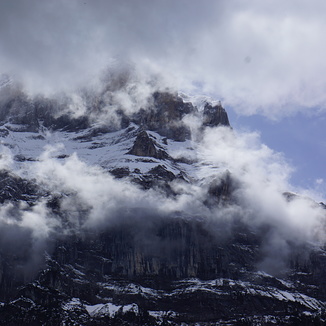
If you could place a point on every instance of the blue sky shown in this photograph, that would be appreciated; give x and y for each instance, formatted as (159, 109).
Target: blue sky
(301, 138)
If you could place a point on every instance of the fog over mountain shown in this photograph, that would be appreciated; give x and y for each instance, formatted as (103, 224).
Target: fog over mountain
(258, 58)
(124, 157)
(115, 169)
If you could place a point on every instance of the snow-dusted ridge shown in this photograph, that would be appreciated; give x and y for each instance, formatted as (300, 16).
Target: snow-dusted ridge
(199, 101)
(109, 150)
(148, 220)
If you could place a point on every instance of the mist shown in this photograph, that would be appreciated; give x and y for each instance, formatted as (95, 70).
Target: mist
(265, 58)
(260, 197)
(90, 199)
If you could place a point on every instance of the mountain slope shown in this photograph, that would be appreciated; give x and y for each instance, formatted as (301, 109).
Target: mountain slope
(125, 221)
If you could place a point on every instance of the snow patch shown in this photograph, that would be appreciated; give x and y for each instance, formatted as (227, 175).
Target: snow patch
(72, 304)
(110, 309)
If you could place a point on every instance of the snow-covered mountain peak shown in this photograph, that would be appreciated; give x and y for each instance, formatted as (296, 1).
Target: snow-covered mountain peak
(160, 215)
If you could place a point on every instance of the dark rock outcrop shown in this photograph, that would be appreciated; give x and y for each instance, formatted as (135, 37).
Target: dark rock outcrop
(200, 270)
(165, 116)
(161, 173)
(220, 190)
(14, 188)
(214, 116)
(144, 145)
(120, 172)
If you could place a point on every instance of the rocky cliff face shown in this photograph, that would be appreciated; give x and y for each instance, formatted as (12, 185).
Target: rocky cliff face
(183, 273)
(166, 116)
(144, 145)
(215, 116)
(147, 265)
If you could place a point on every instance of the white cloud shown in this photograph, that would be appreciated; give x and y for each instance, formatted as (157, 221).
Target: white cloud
(265, 57)
(6, 160)
(39, 221)
(319, 181)
(92, 198)
(263, 176)
(91, 191)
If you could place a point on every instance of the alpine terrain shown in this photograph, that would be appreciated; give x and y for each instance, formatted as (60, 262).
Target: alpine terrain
(119, 214)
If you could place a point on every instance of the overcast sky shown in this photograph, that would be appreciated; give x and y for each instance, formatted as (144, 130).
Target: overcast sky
(263, 59)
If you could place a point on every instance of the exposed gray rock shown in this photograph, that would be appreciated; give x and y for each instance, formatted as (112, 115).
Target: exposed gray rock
(221, 189)
(4, 132)
(14, 188)
(197, 269)
(161, 172)
(214, 116)
(120, 172)
(165, 116)
(144, 145)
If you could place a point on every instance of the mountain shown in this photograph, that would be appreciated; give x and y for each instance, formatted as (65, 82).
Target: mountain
(111, 217)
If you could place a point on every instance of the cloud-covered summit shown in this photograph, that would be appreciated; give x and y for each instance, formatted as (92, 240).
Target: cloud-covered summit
(264, 57)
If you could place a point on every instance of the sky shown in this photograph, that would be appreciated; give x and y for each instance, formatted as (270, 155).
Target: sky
(301, 139)
(264, 59)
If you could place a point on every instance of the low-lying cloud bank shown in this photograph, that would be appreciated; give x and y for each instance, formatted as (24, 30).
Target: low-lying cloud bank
(92, 199)
(259, 57)
(263, 177)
